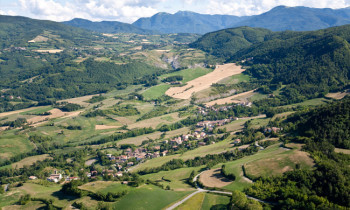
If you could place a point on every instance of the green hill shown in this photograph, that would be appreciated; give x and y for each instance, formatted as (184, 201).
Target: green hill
(328, 185)
(107, 26)
(17, 31)
(225, 43)
(309, 63)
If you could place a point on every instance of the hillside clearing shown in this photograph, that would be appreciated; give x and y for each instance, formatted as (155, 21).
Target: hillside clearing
(338, 95)
(104, 127)
(204, 82)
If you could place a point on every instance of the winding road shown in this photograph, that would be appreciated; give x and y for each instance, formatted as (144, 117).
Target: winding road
(199, 190)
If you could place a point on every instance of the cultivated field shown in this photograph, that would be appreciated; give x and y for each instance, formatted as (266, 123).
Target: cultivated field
(204, 82)
(239, 98)
(214, 178)
(30, 160)
(338, 95)
(48, 51)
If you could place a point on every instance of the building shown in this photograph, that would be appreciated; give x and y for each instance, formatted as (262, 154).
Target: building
(32, 177)
(54, 178)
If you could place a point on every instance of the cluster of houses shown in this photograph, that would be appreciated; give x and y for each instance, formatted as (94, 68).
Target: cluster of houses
(11, 97)
(211, 124)
(272, 129)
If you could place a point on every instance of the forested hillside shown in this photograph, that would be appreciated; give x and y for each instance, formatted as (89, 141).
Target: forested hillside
(327, 186)
(227, 42)
(68, 79)
(17, 31)
(310, 63)
(186, 22)
(328, 123)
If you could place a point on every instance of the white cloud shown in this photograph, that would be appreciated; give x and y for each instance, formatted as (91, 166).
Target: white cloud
(10, 12)
(121, 10)
(253, 7)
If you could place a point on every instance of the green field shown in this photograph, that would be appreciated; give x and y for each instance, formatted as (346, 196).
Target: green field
(188, 74)
(37, 111)
(177, 178)
(235, 79)
(213, 201)
(149, 197)
(200, 151)
(205, 201)
(12, 144)
(235, 167)
(155, 91)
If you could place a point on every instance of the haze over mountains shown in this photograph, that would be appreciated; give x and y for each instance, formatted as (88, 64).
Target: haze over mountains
(278, 19)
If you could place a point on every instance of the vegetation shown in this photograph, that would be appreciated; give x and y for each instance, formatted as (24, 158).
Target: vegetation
(328, 185)
(298, 60)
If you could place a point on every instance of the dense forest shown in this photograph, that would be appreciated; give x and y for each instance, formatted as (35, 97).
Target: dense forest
(227, 42)
(64, 78)
(328, 185)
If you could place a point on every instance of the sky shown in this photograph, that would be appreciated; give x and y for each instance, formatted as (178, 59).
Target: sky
(130, 10)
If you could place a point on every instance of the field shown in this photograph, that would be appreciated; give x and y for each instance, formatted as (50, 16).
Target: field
(338, 95)
(345, 151)
(177, 178)
(204, 82)
(205, 201)
(155, 91)
(214, 178)
(235, 79)
(217, 148)
(286, 159)
(12, 144)
(29, 161)
(239, 98)
(188, 74)
(149, 197)
(279, 163)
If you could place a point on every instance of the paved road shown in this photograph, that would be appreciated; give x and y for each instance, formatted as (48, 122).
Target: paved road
(199, 190)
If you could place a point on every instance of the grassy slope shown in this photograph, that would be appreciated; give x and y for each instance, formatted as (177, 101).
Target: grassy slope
(148, 197)
(13, 144)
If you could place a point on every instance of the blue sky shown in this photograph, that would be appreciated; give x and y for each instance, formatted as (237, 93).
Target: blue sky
(131, 10)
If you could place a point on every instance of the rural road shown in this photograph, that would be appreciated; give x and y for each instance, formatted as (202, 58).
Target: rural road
(199, 190)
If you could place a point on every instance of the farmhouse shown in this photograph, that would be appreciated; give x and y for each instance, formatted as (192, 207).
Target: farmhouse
(54, 178)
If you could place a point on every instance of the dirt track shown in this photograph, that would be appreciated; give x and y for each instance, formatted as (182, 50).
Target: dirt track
(204, 82)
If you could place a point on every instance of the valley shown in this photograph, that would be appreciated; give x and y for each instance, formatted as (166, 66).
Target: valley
(109, 120)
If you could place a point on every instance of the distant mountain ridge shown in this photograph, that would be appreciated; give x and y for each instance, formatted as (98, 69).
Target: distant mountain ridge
(107, 26)
(187, 22)
(280, 18)
(283, 18)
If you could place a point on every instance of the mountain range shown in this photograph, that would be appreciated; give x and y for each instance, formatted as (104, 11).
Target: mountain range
(280, 18)
(107, 26)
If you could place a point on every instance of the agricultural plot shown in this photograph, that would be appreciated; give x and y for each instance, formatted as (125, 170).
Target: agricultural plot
(279, 163)
(217, 148)
(239, 98)
(149, 197)
(281, 160)
(176, 179)
(30, 160)
(155, 91)
(214, 178)
(205, 201)
(12, 144)
(204, 82)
